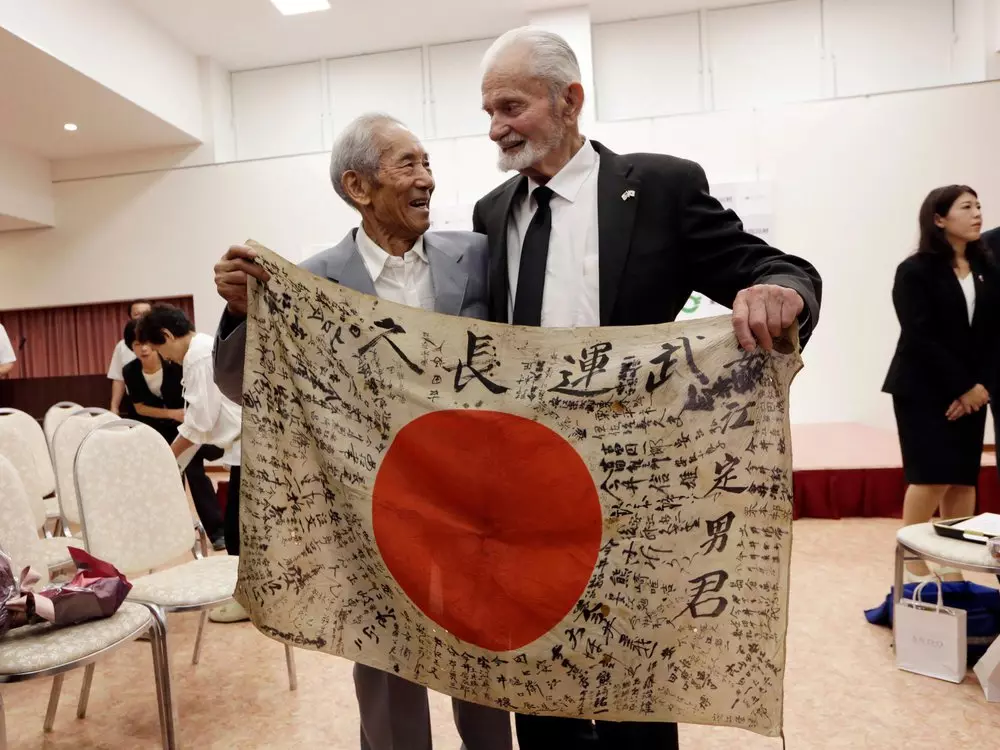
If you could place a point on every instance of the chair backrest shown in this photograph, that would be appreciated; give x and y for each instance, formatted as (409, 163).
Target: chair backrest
(55, 416)
(35, 437)
(64, 447)
(134, 509)
(18, 534)
(15, 449)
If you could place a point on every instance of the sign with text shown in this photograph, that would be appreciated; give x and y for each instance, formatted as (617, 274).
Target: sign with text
(587, 523)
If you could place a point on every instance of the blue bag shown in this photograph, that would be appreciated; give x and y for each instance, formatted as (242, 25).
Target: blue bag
(982, 604)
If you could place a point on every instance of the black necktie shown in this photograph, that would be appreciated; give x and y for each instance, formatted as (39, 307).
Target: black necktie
(534, 253)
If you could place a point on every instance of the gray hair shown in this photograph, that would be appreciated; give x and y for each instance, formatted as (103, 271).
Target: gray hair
(357, 150)
(549, 55)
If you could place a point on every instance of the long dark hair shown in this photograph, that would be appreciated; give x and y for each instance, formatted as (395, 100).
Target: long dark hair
(932, 237)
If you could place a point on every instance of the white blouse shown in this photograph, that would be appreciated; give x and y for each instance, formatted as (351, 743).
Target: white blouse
(969, 290)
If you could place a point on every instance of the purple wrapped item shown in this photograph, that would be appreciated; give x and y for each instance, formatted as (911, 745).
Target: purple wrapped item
(9, 589)
(97, 590)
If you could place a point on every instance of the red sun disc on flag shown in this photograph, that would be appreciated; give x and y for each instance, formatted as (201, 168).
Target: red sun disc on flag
(489, 522)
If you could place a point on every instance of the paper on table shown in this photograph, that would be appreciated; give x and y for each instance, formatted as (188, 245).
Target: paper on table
(984, 523)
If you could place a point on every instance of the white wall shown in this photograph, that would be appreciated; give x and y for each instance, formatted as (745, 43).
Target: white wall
(724, 59)
(848, 177)
(25, 190)
(111, 42)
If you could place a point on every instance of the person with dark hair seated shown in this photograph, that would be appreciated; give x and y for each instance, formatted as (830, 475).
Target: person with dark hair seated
(121, 356)
(209, 417)
(155, 388)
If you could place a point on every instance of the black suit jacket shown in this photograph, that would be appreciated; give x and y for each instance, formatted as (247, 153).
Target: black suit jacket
(172, 398)
(992, 241)
(670, 238)
(940, 355)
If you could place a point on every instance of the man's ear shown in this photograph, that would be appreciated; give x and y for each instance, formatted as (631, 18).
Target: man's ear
(357, 188)
(167, 335)
(574, 97)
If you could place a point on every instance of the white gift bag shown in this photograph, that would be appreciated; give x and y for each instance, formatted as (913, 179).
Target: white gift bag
(987, 669)
(931, 639)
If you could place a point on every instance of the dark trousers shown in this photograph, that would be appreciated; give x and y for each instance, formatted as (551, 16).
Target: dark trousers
(233, 512)
(552, 733)
(203, 491)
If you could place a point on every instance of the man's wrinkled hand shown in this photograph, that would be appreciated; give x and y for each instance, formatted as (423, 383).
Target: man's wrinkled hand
(231, 275)
(762, 312)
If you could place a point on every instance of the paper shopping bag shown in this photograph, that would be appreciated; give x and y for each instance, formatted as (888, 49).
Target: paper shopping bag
(931, 638)
(987, 669)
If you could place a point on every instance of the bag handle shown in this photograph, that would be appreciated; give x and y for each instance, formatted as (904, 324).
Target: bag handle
(919, 590)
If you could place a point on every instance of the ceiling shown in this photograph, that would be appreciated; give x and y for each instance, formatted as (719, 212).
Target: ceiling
(46, 93)
(246, 34)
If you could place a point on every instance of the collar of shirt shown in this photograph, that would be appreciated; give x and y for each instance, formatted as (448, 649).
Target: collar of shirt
(375, 258)
(568, 181)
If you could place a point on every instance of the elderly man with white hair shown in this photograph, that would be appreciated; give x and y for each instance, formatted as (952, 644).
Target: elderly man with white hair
(587, 237)
(381, 169)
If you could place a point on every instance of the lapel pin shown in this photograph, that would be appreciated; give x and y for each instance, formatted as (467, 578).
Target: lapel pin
(628, 194)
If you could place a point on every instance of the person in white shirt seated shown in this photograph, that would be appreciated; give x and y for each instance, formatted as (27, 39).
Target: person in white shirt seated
(121, 356)
(7, 357)
(209, 417)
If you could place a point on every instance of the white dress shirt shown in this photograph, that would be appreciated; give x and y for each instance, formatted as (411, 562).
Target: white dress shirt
(969, 290)
(571, 296)
(209, 417)
(6, 350)
(405, 280)
(119, 358)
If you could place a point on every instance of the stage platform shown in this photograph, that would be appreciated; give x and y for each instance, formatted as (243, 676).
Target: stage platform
(843, 470)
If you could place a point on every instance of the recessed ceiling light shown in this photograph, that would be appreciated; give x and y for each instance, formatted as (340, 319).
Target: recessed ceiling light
(295, 7)
(70, 126)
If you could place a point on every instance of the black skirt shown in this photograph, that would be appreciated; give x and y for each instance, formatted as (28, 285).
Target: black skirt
(936, 451)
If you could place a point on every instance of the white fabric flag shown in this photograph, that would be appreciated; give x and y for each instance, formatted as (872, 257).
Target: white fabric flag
(588, 522)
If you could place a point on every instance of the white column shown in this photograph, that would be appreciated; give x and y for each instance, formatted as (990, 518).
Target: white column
(573, 24)
(217, 110)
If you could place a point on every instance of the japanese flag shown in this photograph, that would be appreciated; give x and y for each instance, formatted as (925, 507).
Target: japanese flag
(587, 523)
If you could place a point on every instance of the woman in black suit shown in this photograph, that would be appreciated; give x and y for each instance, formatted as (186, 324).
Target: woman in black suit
(947, 299)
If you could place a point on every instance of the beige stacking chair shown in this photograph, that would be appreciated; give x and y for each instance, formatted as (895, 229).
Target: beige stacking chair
(18, 454)
(139, 526)
(38, 651)
(65, 443)
(16, 503)
(31, 432)
(55, 416)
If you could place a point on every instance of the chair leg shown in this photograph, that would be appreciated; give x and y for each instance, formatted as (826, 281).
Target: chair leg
(201, 632)
(50, 714)
(88, 679)
(154, 647)
(293, 678)
(3, 725)
(161, 669)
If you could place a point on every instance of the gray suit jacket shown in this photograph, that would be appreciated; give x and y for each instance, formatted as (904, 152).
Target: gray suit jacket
(458, 263)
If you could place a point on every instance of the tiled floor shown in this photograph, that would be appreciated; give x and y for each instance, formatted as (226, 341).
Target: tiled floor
(842, 689)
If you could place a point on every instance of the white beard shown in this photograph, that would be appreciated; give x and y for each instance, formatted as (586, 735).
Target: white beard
(530, 153)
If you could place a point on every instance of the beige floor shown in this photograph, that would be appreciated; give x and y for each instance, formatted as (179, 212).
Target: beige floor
(841, 687)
